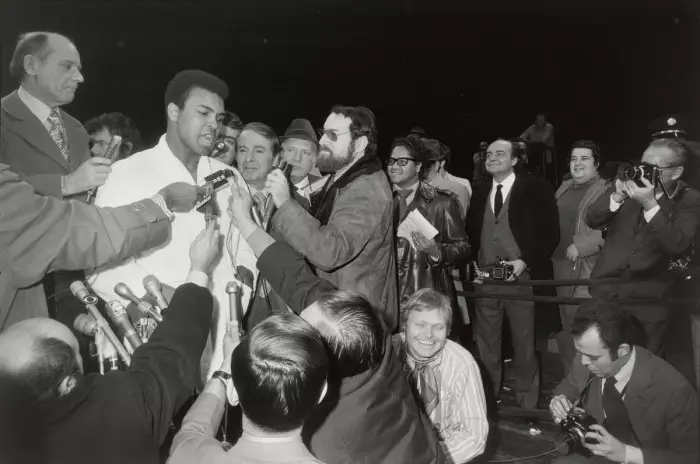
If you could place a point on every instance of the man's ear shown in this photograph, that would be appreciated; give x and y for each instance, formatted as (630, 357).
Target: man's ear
(67, 385)
(623, 350)
(515, 160)
(361, 144)
(677, 173)
(323, 392)
(30, 64)
(173, 112)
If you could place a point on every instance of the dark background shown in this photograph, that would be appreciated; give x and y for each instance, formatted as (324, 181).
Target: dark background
(464, 70)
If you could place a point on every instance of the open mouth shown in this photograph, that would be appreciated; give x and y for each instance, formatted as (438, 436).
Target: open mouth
(425, 342)
(208, 139)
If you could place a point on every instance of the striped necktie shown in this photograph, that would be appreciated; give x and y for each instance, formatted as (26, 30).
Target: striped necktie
(58, 133)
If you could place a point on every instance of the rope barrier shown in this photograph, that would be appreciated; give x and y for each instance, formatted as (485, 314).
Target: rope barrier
(575, 301)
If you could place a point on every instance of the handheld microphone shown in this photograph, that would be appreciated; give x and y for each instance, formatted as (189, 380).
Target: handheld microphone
(111, 154)
(154, 288)
(81, 292)
(213, 183)
(286, 169)
(85, 324)
(219, 148)
(116, 312)
(233, 289)
(124, 291)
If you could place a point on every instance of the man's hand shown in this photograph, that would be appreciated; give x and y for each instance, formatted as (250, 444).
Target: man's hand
(620, 193)
(425, 244)
(572, 252)
(205, 249)
(608, 446)
(92, 173)
(519, 267)
(277, 186)
(180, 197)
(645, 196)
(559, 407)
(239, 207)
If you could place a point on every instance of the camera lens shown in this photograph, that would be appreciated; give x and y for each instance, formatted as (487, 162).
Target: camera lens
(633, 173)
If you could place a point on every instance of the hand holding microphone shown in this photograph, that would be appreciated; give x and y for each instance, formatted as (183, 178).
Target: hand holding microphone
(205, 249)
(277, 186)
(111, 155)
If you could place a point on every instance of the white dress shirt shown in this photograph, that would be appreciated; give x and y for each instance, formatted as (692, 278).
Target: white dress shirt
(505, 190)
(142, 175)
(305, 187)
(38, 108)
(648, 215)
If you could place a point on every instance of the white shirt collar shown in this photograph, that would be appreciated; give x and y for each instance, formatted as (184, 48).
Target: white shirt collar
(40, 109)
(413, 187)
(303, 184)
(625, 373)
(507, 182)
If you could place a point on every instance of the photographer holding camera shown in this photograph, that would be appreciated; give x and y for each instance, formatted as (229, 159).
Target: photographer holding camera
(651, 218)
(647, 411)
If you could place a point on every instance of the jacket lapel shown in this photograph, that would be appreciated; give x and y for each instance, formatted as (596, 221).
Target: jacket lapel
(637, 399)
(25, 124)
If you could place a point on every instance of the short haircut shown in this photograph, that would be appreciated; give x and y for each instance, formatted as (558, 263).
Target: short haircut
(679, 147)
(279, 372)
(590, 145)
(53, 361)
(181, 86)
(229, 119)
(363, 124)
(30, 43)
(427, 299)
(614, 325)
(117, 124)
(353, 331)
(516, 150)
(267, 132)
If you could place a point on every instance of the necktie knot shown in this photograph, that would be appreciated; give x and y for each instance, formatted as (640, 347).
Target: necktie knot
(499, 187)
(404, 193)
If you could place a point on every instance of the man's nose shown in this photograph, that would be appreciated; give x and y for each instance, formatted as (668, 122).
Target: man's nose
(78, 76)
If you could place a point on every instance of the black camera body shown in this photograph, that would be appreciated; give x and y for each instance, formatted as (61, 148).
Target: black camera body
(573, 433)
(648, 171)
(500, 271)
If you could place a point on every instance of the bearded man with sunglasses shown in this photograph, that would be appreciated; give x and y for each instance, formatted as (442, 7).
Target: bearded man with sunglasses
(348, 235)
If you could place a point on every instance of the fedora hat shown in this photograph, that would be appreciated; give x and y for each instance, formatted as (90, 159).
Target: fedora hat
(300, 129)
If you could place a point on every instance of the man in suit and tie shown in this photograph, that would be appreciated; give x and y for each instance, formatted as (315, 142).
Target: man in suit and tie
(646, 412)
(514, 218)
(44, 144)
(647, 227)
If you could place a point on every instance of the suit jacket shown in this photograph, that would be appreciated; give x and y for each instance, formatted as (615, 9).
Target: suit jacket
(41, 234)
(661, 404)
(27, 147)
(533, 218)
(416, 269)
(374, 416)
(637, 249)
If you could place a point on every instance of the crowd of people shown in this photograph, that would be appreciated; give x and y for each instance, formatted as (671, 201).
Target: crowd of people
(317, 285)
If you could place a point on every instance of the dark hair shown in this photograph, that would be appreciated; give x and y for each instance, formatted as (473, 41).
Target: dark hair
(353, 331)
(121, 125)
(415, 149)
(446, 153)
(53, 361)
(614, 325)
(279, 372)
(427, 299)
(30, 43)
(363, 124)
(229, 119)
(181, 86)
(590, 145)
(419, 131)
(267, 132)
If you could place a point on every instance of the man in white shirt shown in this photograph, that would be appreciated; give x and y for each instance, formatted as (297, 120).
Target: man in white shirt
(193, 101)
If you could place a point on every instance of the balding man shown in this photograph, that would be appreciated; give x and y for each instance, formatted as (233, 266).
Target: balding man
(123, 416)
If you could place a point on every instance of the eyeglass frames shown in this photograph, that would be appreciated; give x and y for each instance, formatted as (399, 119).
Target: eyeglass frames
(400, 161)
(331, 134)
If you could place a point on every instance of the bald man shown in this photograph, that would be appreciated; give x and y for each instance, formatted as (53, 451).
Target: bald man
(123, 416)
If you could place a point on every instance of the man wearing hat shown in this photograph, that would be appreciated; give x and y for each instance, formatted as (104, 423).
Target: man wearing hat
(668, 127)
(300, 149)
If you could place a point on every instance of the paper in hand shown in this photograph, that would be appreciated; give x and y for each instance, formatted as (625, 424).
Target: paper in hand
(415, 222)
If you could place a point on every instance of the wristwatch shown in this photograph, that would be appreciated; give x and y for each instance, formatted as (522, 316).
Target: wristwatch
(223, 376)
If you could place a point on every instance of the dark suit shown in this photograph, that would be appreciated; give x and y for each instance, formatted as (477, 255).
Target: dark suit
(29, 150)
(661, 404)
(635, 249)
(532, 214)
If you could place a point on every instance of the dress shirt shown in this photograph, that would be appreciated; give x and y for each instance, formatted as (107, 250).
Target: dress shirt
(38, 108)
(409, 198)
(462, 408)
(460, 180)
(505, 191)
(633, 455)
(141, 175)
(305, 187)
(648, 215)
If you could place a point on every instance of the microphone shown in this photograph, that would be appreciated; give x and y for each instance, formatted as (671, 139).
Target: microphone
(124, 291)
(81, 292)
(116, 312)
(111, 154)
(154, 288)
(233, 289)
(85, 324)
(219, 148)
(286, 169)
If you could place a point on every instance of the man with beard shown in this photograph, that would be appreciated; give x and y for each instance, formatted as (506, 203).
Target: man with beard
(194, 99)
(348, 235)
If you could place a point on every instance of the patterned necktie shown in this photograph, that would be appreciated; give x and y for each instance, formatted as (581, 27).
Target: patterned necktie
(498, 202)
(58, 133)
(427, 383)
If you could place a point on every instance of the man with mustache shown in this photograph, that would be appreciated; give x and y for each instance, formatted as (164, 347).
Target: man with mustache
(194, 100)
(348, 235)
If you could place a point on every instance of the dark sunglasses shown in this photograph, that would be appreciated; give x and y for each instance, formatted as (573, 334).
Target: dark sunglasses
(331, 134)
(400, 161)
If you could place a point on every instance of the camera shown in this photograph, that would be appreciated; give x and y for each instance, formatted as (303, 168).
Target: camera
(499, 271)
(650, 172)
(573, 433)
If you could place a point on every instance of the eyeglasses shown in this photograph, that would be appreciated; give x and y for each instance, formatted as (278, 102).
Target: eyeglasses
(400, 161)
(331, 134)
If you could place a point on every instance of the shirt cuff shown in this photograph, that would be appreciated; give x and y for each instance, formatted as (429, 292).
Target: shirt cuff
(633, 455)
(160, 201)
(198, 278)
(649, 215)
(614, 206)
